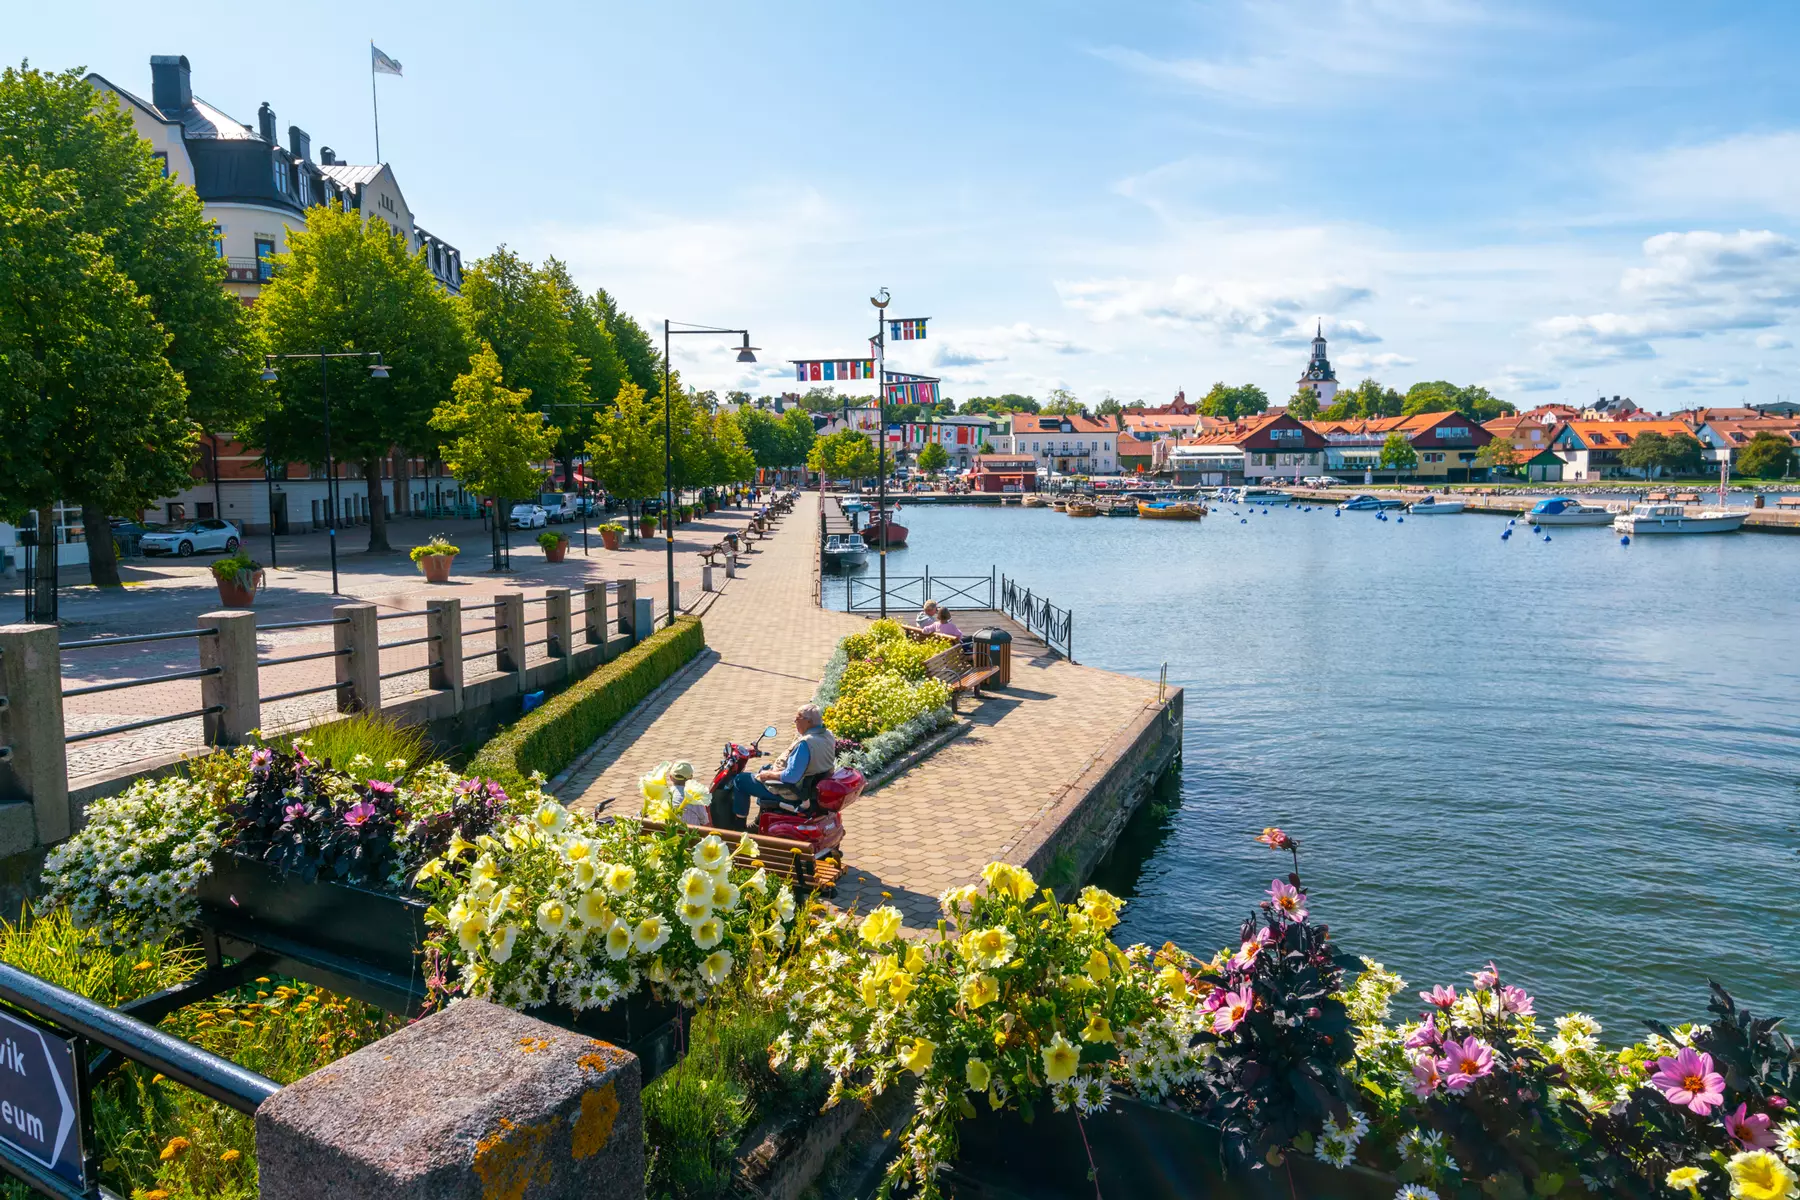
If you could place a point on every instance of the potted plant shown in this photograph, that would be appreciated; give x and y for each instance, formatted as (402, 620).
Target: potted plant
(610, 534)
(646, 526)
(238, 577)
(435, 558)
(555, 545)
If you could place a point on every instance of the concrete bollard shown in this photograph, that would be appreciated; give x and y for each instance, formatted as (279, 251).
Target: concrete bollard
(645, 624)
(445, 624)
(509, 631)
(731, 564)
(595, 616)
(628, 610)
(471, 1103)
(706, 578)
(234, 689)
(358, 672)
(31, 727)
(558, 623)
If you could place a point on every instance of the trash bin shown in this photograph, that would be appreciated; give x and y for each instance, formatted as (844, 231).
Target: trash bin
(1758, 502)
(993, 648)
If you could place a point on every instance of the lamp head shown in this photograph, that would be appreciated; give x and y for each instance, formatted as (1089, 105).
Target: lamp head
(744, 351)
(268, 373)
(378, 370)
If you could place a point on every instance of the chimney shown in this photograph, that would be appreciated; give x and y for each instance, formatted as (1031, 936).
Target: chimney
(300, 143)
(265, 124)
(327, 156)
(169, 88)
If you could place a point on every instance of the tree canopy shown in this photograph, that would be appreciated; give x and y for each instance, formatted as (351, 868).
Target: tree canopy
(1230, 403)
(1367, 399)
(625, 450)
(1305, 405)
(1010, 402)
(1498, 453)
(1472, 401)
(845, 454)
(1766, 456)
(492, 440)
(1397, 454)
(933, 458)
(1062, 403)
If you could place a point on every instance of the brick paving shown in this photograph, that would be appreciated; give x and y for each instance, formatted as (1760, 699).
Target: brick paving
(933, 826)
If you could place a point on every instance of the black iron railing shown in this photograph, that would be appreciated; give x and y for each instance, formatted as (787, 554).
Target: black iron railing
(910, 592)
(1055, 625)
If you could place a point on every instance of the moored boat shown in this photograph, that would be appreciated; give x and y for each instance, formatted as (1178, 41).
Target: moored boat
(1562, 510)
(1083, 508)
(1366, 502)
(1060, 505)
(1122, 508)
(1032, 500)
(1434, 505)
(1170, 510)
(846, 549)
(1264, 495)
(1675, 518)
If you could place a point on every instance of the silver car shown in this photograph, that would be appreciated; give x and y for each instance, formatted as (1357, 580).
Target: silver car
(187, 537)
(529, 516)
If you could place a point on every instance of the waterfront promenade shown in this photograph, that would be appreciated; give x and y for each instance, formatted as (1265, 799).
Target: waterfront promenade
(997, 790)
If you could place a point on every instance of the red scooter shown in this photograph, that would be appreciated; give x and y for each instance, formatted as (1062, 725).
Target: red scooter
(814, 820)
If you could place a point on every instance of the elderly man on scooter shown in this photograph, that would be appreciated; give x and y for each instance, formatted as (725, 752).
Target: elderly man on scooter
(794, 776)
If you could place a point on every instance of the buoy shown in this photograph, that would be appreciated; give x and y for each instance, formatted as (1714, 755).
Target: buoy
(1546, 538)
(1399, 520)
(1513, 522)
(1505, 533)
(1243, 520)
(1624, 541)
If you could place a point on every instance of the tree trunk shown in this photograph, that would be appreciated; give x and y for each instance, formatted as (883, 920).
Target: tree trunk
(103, 559)
(378, 540)
(568, 468)
(43, 584)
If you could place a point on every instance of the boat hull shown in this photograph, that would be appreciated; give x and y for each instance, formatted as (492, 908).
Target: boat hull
(1173, 512)
(1571, 518)
(1701, 523)
(1432, 510)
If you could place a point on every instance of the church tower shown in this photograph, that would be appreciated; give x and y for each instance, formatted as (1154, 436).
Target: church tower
(1319, 375)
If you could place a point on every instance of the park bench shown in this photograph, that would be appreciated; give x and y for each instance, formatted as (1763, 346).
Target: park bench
(1687, 497)
(784, 858)
(1656, 495)
(709, 556)
(1788, 502)
(954, 668)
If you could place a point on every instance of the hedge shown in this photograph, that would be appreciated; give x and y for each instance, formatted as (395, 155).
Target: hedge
(549, 738)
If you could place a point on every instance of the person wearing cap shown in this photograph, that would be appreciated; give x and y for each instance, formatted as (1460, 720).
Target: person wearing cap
(928, 616)
(791, 780)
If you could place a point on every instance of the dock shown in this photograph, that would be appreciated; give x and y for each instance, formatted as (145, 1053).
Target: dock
(1760, 520)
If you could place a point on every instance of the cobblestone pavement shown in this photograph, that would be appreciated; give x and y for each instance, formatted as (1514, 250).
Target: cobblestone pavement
(935, 825)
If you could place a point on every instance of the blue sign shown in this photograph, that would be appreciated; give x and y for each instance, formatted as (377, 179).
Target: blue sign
(39, 1098)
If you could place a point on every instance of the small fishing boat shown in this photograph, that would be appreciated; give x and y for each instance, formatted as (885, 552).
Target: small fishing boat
(1433, 505)
(1122, 508)
(1060, 505)
(1675, 518)
(1032, 500)
(1083, 508)
(1170, 510)
(846, 550)
(896, 532)
(1561, 510)
(1365, 502)
(1264, 495)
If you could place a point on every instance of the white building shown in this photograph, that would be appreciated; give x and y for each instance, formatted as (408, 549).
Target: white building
(1318, 377)
(1066, 445)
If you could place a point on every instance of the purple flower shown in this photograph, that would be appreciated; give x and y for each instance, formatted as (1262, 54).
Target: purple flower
(1689, 1081)
(381, 788)
(1467, 1061)
(469, 785)
(1440, 995)
(1752, 1133)
(1515, 1000)
(260, 759)
(1487, 977)
(496, 792)
(1426, 1037)
(1428, 1074)
(359, 813)
(1287, 900)
(293, 813)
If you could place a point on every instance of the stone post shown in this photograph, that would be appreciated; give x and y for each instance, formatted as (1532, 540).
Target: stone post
(445, 624)
(31, 727)
(706, 579)
(559, 624)
(474, 1102)
(645, 625)
(628, 609)
(731, 564)
(509, 632)
(234, 689)
(595, 617)
(358, 672)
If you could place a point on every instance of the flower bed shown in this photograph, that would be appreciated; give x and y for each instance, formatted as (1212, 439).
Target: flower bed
(875, 693)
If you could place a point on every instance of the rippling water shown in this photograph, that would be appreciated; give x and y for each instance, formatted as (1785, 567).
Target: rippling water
(1576, 758)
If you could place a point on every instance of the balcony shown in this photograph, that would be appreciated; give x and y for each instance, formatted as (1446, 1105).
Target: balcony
(244, 269)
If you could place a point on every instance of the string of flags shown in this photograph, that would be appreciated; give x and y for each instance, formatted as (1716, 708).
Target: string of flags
(911, 329)
(912, 389)
(814, 370)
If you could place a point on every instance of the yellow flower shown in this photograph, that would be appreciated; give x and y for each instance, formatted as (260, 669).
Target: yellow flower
(717, 966)
(458, 847)
(485, 868)
(553, 917)
(618, 940)
(709, 933)
(655, 788)
(989, 947)
(697, 885)
(550, 817)
(468, 934)
(1060, 1059)
(230, 1156)
(917, 1058)
(1004, 879)
(502, 946)
(1099, 1029)
(430, 870)
(1173, 981)
(620, 878)
(977, 1075)
(978, 990)
(881, 926)
(712, 855)
(1759, 1175)
(174, 1148)
(1103, 915)
(1098, 968)
(595, 913)
(900, 987)
(1685, 1178)
(692, 912)
(725, 895)
(915, 959)
(871, 991)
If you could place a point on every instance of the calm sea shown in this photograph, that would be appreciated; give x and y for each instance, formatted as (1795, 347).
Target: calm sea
(1577, 758)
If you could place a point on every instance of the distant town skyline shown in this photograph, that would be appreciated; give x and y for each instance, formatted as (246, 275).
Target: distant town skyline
(1556, 205)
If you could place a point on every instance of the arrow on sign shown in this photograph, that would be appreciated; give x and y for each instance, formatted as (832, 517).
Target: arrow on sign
(37, 1093)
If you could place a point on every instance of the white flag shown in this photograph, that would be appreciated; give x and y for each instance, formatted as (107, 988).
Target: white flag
(380, 63)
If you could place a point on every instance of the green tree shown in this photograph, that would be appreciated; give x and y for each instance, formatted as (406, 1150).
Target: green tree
(766, 436)
(1230, 403)
(1108, 407)
(1498, 455)
(798, 435)
(643, 361)
(1649, 452)
(1474, 401)
(492, 440)
(1397, 454)
(1684, 455)
(1010, 402)
(730, 457)
(594, 343)
(1305, 405)
(344, 285)
(1366, 400)
(101, 180)
(625, 451)
(933, 458)
(1766, 456)
(845, 455)
(1062, 403)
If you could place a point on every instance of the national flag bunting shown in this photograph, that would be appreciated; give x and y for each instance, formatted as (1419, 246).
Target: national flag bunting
(909, 329)
(821, 369)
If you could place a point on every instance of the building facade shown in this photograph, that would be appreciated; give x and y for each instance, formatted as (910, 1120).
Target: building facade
(1266, 449)
(1063, 445)
(1319, 378)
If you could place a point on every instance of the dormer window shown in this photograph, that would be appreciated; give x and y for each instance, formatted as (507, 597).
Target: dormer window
(305, 190)
(281, 181)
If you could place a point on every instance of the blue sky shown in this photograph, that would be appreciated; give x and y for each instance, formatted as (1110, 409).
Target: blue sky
(1556, 200)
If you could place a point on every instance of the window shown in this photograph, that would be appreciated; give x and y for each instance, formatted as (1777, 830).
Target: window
(218, 240)
(162, 161)
(387, 202)
(305, 190)
(265, 247)
(204, 509)
(281, 175)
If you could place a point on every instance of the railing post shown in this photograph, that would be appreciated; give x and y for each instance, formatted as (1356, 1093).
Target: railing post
(444, 622)
(509, 631)
(628, 609)
(595, 617)
(234, 689)
(927, 594)
(36, 766)
(559, 624)
(358, 672)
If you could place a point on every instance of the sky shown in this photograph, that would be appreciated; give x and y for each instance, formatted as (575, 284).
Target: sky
(1556, 200)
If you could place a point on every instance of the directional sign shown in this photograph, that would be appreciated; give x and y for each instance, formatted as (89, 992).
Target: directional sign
(39, 1097)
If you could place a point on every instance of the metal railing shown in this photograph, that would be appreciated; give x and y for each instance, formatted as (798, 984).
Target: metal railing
(1055, 625)
(957, 591)
(117, 685)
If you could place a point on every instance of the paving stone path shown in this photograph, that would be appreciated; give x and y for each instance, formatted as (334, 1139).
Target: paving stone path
(974, 800)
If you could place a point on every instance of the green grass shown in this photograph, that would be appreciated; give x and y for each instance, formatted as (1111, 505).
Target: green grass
(381, 738)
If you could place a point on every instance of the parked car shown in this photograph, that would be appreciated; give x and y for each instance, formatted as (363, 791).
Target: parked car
(1323, 481)
(127, 536)
(558, 507)
(189, 536)
(529, 516)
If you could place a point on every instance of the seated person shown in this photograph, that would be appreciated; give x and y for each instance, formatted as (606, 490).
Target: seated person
(794, 776)
(928, 616)
(945, 627)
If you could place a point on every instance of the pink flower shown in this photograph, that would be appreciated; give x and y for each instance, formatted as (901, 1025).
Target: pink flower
(359, 813)
(1426, 1036)
(294, 812)
(1274, 839)
(1287, 900)
(1233, 1008)
(1515, 1000)
(1752, 1133)
(1213, 999)
(1688, 1080)
(261, 758)
(1245, 958)
(1466, 1061)
(1427, 1075)
(1440, 995)
(1487, 977)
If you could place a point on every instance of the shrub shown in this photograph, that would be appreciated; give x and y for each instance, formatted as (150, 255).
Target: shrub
(439, 544)
(239, 568)
(613, 528)
(885, 701)
(549, 738)
(381, 740)
(549, 540)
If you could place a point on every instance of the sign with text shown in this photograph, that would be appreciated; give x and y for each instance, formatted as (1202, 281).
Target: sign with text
(39, 1114)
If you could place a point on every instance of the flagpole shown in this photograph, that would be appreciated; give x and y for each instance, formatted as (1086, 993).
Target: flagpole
(375, 101)
(881, 434)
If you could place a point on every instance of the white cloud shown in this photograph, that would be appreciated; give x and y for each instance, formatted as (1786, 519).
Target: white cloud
(1356, 361)
(1227, 307)
(1702, 377)
(1773, 341)
(1744, 173)
(1523, 379)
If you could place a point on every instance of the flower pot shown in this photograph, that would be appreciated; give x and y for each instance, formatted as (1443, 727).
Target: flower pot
(647, 526)
(437, 567)
(238, 591)
(712, 506)
(555, 553)
(609, 539)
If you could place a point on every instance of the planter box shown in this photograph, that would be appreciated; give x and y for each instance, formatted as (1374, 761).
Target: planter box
(235, 595)
(609, 539)
(437, 567)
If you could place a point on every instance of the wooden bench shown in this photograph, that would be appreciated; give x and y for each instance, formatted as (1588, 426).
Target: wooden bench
(708, 556)
(1788, 502)
(1656, 495)
(784, 858)
(1687, 497)
(954, 668)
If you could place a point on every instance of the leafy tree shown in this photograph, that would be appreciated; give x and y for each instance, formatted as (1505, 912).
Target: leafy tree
(1766, 456)
(765, 435)
(1649, 452)
(1367, 399)
(593, 342)
(1305, 405)
(1684, 454)
(643, 361)
(845, 455)
(1062, 403)
(1010, 402)
(1230, 403)
(625, 450)
(729, 454)
(100, 179)
(1108, 407)
(1498, 455)
(933, 458)
(347, 286)
(1397, 454)
(799, 434)
(492, 440)
(1474, 401)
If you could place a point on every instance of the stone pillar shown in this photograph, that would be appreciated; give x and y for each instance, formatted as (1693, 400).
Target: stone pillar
(628, 609)
(31, 727)
(472, 1103)
(509, 632)
(559, 624)
(445, 624)
(233, 650)
(706, 579)
(595, 617)
(731, 564)
(358, 672)
(645, 625)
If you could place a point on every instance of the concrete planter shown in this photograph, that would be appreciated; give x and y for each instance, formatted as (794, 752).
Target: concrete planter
(557, 552)
(437, 567)
(647, 526)
(235, 593)
(609, 539)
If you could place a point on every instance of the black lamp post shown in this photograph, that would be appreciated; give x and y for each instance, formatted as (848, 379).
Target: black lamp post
(746, 354)
(377, 370)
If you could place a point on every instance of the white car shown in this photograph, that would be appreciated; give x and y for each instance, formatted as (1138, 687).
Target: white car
(188, 536)
(529, 516)
(1323, 481)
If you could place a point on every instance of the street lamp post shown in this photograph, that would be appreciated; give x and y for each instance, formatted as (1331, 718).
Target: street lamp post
(880, 301)
(746, 354)
(377, 370)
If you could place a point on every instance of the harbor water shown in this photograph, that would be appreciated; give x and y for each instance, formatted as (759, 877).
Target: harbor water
(1576, 758)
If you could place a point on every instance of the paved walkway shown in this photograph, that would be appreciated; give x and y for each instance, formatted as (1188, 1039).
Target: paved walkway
(934, 826)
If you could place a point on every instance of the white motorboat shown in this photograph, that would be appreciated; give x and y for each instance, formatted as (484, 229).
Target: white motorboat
(1561, 510)
(846, 549)
(1675, 518)
(1264, 495)
(1432, 505)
